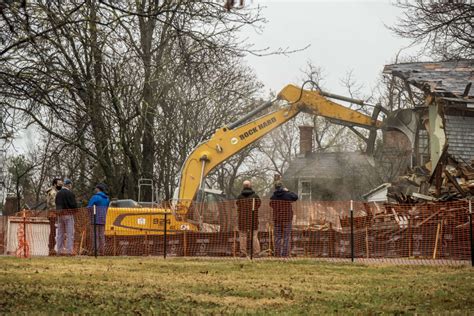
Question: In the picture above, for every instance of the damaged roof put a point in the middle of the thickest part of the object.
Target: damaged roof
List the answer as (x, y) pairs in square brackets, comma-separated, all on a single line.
[(449, 78)]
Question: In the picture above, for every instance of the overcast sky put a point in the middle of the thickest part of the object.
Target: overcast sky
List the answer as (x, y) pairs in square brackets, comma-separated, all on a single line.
[(344, 35)]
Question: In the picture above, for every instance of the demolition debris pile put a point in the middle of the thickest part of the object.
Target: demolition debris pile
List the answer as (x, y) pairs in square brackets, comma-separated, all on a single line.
[(447, 118), (456, 182)]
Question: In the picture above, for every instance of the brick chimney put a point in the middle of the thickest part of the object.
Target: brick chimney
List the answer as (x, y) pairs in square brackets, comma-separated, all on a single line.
[(306, 140)]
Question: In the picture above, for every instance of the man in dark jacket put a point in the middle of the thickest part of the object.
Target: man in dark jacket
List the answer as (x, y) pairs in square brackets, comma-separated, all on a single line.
[(100, 202), (65, 207), (248, 203), (280, 202)]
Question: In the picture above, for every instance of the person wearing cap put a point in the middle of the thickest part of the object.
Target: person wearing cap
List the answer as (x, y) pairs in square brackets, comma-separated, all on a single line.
[(65, 207), (100, 201), (280, 202), (248, 203)]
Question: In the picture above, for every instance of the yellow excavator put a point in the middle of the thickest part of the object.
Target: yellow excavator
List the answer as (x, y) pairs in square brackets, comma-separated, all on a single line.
[(226, 142)]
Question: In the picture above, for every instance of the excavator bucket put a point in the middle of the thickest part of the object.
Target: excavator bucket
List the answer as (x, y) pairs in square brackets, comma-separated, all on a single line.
[(404, 121)]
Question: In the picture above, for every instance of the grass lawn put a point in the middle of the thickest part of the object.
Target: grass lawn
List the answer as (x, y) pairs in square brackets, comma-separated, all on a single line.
[(198, 286)]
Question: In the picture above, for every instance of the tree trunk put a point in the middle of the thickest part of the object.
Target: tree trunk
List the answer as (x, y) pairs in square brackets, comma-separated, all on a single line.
[(99, 129)]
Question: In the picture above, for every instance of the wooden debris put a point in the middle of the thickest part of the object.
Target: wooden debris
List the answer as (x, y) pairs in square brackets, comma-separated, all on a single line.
[(423, 196), (453, 180)]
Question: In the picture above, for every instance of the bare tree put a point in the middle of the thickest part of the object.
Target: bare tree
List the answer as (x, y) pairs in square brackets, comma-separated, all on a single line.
[(444, 28), (329, 135), (279, 148), (21, 170), (122, 87)]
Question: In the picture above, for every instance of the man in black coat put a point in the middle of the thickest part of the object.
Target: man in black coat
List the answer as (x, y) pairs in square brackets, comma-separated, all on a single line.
[(248, 203), (280, 202), (65, 206)]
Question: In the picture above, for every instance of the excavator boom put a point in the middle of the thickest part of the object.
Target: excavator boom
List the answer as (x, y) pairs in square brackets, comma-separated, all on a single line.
[(222, 145), (228, 141), (314, 103)]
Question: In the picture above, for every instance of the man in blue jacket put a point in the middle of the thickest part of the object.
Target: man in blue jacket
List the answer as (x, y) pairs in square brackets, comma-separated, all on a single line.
[(280, 202), (101, 202)]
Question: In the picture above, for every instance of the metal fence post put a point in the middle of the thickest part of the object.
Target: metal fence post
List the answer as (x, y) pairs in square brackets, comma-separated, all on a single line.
[(470, 233), (165, 237), (352, 231), (185, 244), (115, 243), (146, 244), (95, 231), (251, 229)]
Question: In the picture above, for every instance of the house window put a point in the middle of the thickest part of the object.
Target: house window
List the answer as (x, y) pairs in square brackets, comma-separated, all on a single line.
[(423, 147), (304, 190)]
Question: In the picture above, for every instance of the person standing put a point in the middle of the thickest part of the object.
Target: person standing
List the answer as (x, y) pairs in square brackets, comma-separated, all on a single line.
[(281, 203), (65, 206), (248, 203), (101, 202), (51, 206)]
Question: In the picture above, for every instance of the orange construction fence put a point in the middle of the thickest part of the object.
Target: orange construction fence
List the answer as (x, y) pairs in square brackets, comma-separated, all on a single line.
[(437, 231)]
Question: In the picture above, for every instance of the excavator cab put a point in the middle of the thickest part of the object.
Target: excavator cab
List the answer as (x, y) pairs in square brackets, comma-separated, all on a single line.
[(205, 210)]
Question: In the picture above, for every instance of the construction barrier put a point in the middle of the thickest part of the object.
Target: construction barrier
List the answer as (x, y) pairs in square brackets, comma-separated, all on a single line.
[(435, 232)]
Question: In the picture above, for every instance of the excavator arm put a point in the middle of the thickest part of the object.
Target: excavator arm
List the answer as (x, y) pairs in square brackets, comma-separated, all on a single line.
[(313, 102), (222, 145), (229, 140)]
